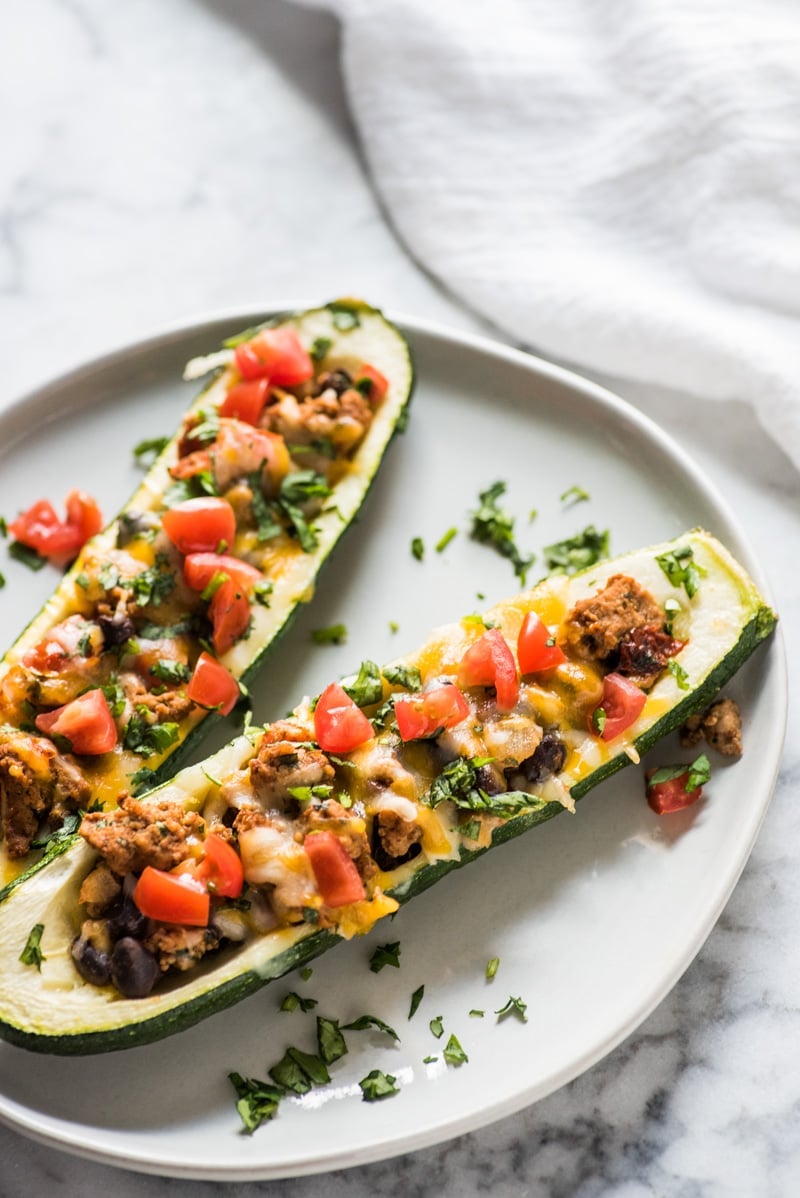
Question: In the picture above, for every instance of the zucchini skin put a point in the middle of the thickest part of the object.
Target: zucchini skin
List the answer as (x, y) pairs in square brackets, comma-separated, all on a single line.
[(394, 343), (758, 627)]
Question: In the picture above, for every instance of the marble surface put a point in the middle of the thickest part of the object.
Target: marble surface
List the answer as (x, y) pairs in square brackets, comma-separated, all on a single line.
[(160, 162)]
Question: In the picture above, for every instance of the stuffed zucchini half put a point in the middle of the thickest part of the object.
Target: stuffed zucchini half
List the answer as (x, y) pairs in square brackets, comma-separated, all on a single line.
[(178, 600), (309, 830)]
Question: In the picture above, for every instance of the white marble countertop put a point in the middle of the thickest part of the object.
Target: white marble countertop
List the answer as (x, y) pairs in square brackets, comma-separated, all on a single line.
[(160, 162)]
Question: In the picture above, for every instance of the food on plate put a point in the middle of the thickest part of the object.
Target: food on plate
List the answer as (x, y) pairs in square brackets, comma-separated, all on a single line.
[(310, 830), (177, 601)]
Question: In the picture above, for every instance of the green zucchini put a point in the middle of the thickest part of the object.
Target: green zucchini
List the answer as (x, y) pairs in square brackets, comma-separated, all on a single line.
[(341, 336), (50, 1009)]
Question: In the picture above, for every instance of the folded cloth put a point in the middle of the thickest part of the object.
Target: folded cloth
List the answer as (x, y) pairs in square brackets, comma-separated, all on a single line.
[(614, 183)]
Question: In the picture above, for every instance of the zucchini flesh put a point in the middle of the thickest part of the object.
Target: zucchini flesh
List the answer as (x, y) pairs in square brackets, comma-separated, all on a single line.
[(55, 1011), (346, 335)]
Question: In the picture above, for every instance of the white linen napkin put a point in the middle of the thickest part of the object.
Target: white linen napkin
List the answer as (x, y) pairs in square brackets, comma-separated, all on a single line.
[(611, 182)]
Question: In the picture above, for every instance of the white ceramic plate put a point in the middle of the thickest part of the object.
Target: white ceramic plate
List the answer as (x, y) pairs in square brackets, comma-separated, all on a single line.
[(594, 916)]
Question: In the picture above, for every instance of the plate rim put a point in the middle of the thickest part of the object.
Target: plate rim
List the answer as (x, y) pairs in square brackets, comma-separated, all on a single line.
[(17, 1116)]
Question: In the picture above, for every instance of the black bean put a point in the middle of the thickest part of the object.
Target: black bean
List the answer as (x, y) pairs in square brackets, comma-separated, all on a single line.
[(489, 779), (548, 759), (127, 921), (339, 380), (133, 969), (116, 630), (91, 963)]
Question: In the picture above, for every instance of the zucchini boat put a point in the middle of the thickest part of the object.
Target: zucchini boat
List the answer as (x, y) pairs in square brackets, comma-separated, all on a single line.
[(303, 833), (179, 599)]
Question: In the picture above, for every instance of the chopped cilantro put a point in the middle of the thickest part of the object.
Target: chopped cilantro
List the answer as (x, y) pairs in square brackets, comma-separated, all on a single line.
[(679, 674), (304, 794), (477, 1014), (514, 1006), (27, 556), (418, 548), (493, 525), (330, 1040), (2, 581), (671, 609), (298, 1071), (445, 539), (3, 527), (476, 618), (154, 584), (170, 671), (67, 830), (293, 1000), (32, 952), (345, 316), (256, 1100), (334, 634), (437, 1027), (262, 591), (429, 1060), (681, 569), (577, 553), (416, 999), (385, 954), (377, 1085), (320, 347), (306, 972), (575, 495), (471, 830), (267, 525), (406, 676), (697, 774), (147, 451), (394, 626), (217, 579), (365, 1022), (147, 739), (115, 698), (364, 385), (453, 1052), (599, 720), (367, 687), (457, 783), (144, 778), (492, 966)]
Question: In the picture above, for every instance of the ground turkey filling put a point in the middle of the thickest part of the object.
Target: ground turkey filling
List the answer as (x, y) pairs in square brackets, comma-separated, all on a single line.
[(367, 799)]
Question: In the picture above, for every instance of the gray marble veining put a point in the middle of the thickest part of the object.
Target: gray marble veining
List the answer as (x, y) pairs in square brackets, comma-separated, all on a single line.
[(163, 161)]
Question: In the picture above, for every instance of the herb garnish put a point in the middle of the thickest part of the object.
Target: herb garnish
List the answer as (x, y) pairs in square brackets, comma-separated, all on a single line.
[(671, 609), (457, 782), (418, 548), (492, 965), (599, 720), (385, 954), (304, 794), (320, 347), (170, 671), (575, 495), (146, 739), (365, 1022), (445, 539), (514, 1006), (406, 676), (377, 1085), (679, 674), (493, 525), (2, 581), (437, 1027), (334, 634), (147, 451), (257, 1101), (416, 999), (29, 557), (306, 972), (115, 698), (330, 1040), (453, 1052), (577, 553), (681, 569), (366, 688), (32, 953), (698, 773), (298, 1071), (476, 1014), (345, 316), (293, 1000), (429, 1060), (154, 584)]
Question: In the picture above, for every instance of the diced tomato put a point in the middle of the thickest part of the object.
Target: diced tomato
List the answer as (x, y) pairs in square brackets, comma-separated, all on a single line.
[(335, 871), (200, 525), (490, 662), (276, 354), (339, 722), (73, 638), (211, 685), (622, 703), (219, 870), (200, 568), (246, 401), (534, 652), (423, 715), (672, 795), (229, 612), (40, 527), (86, 722), (172, 897), (380, 383)]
